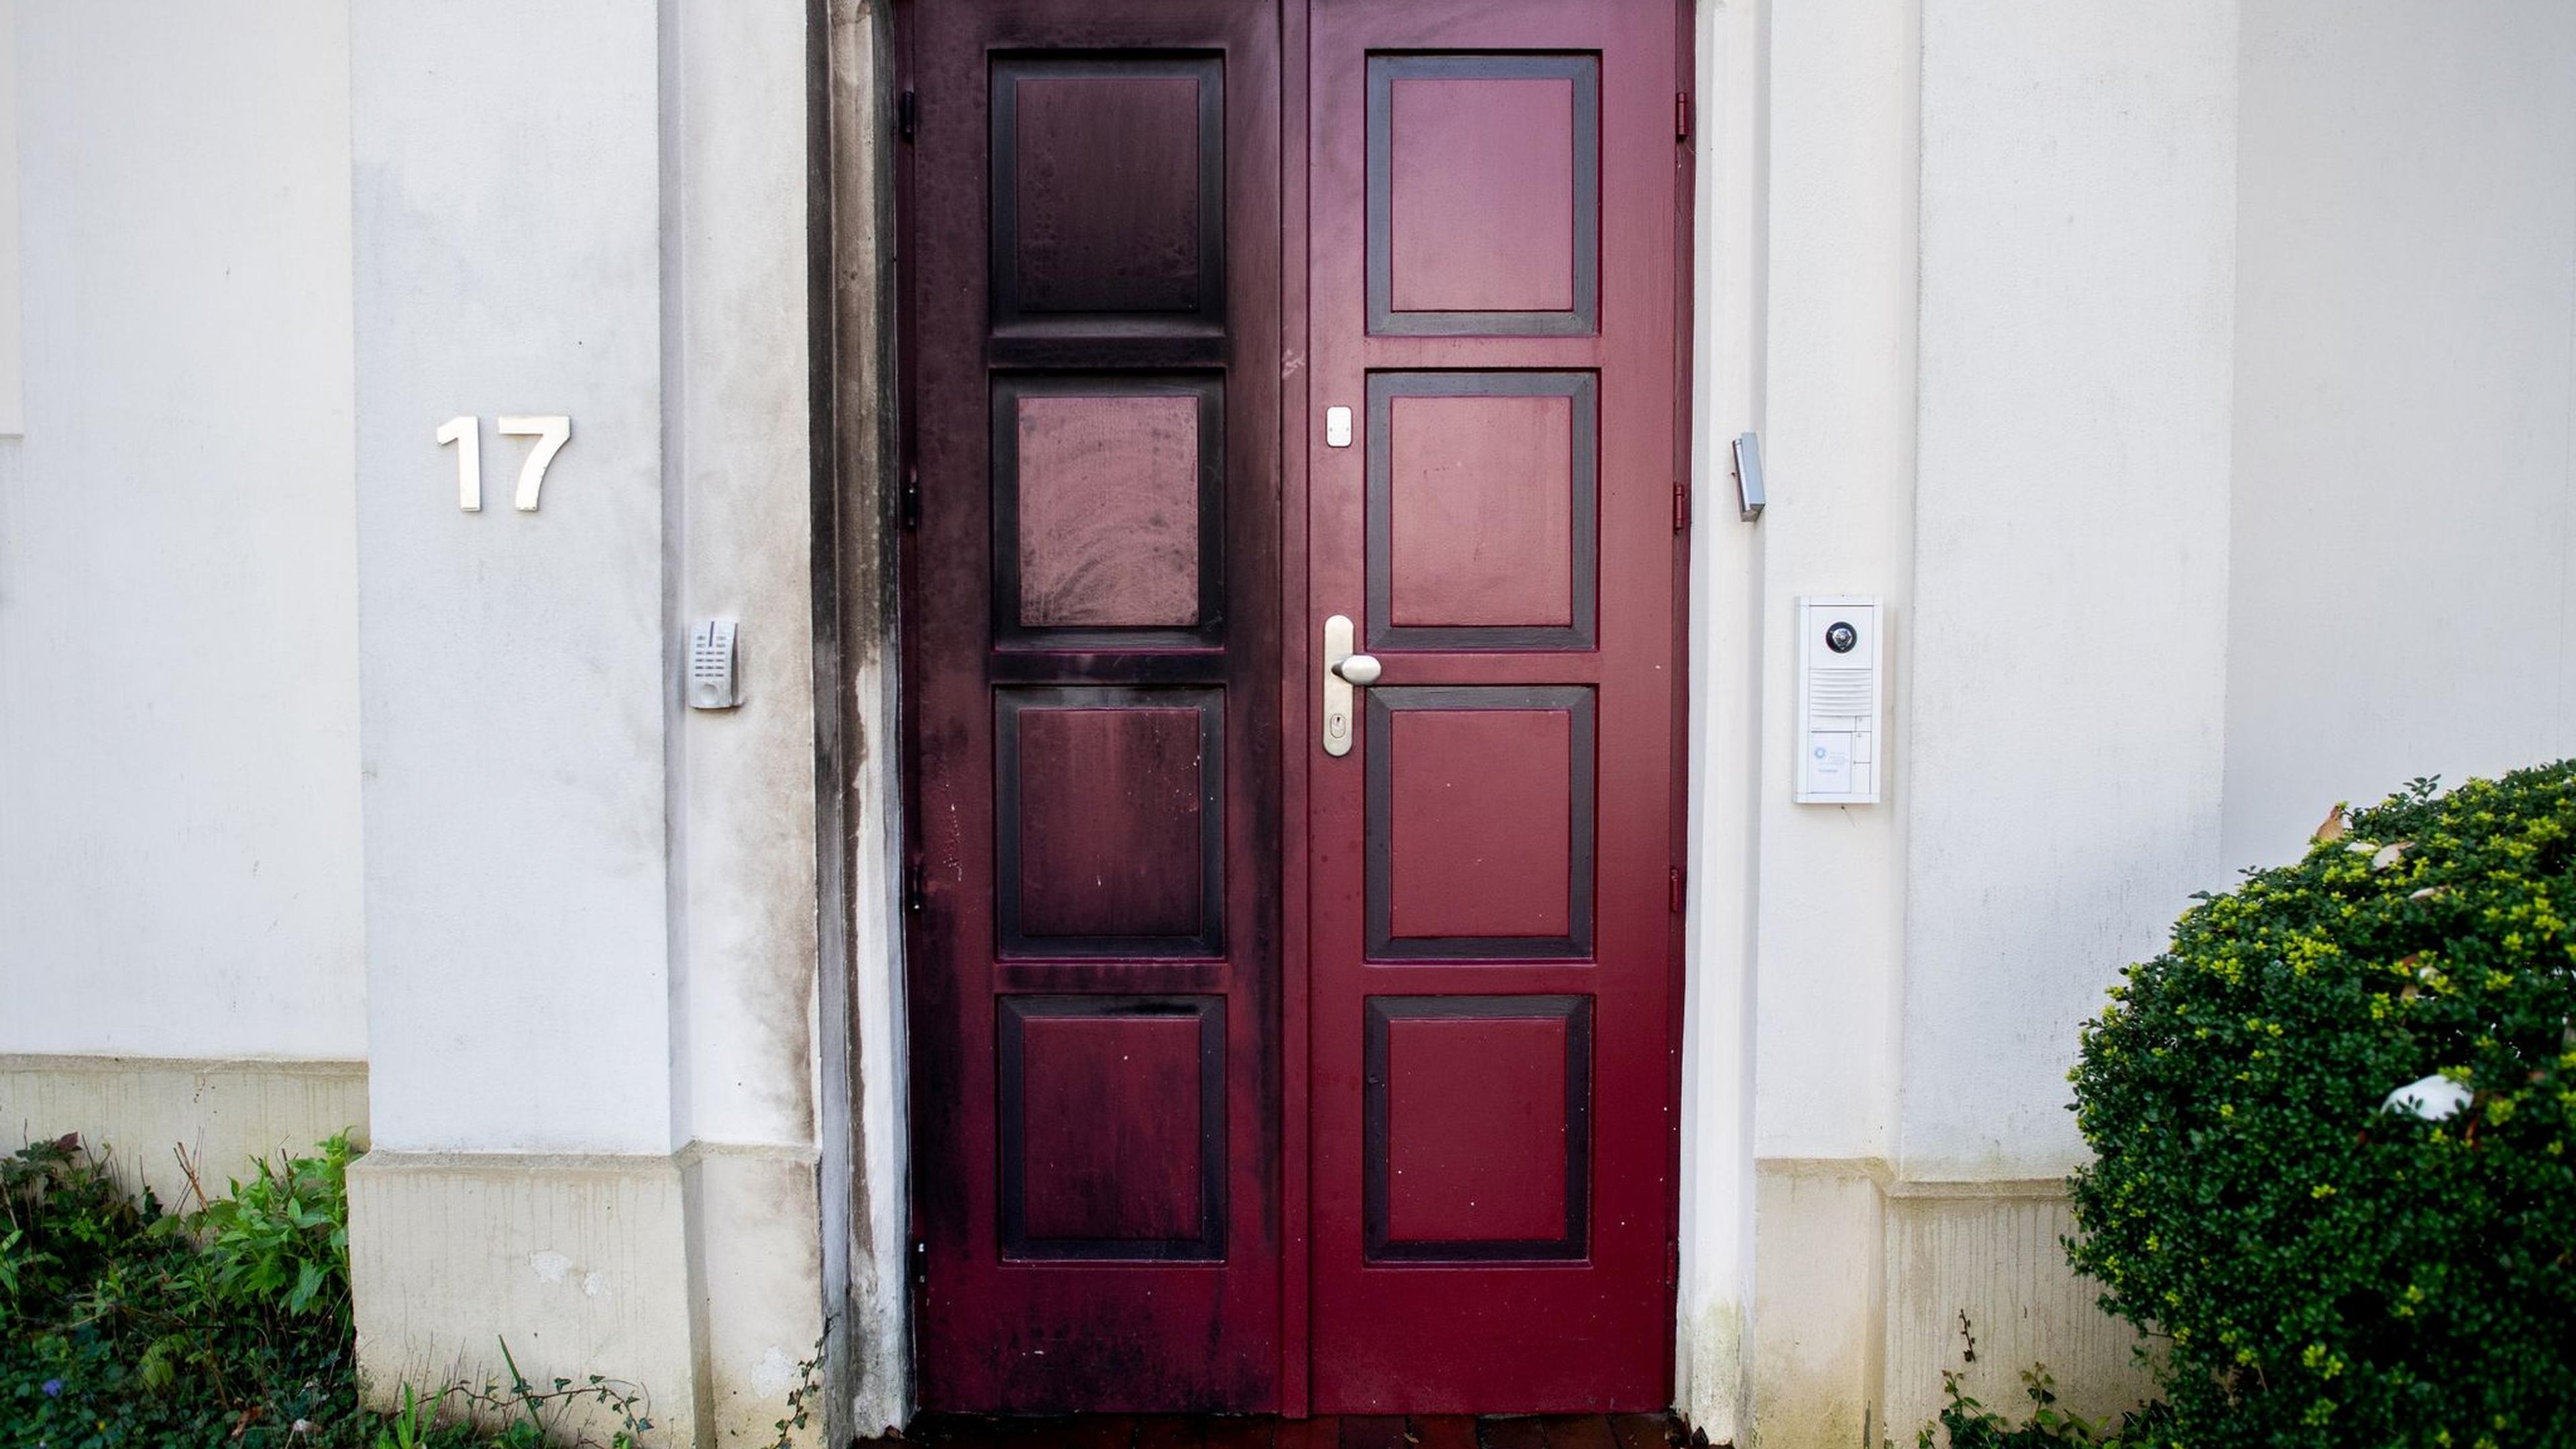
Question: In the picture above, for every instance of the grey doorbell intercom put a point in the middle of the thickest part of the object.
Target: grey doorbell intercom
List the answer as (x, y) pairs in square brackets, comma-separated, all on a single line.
[(1842, 750), (713, 680)]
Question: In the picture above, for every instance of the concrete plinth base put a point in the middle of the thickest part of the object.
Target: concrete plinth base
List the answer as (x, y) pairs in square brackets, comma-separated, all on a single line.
[(1860, 1283), (695, 1277), (144, 1111)]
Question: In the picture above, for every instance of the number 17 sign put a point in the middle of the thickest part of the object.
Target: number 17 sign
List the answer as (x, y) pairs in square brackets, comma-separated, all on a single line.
[(466, 432)]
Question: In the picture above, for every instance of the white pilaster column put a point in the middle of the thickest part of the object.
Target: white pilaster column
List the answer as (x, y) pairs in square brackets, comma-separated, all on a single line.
[(591, 911)]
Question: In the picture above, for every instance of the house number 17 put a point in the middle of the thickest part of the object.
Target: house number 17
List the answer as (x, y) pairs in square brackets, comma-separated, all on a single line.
[(551, 434)]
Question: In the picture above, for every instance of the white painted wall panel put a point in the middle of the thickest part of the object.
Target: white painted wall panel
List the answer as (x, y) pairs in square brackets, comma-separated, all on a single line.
[(1836, 408), (1725, 623), (509, 238), (13, 417), (737, 423), (179, 808), (2066, 673), (2405, 510)]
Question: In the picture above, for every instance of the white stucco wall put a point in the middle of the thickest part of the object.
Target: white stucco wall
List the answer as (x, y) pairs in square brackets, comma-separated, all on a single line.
[(13, 396), (592, 912), (1725, 624), (735, 417), (508, 210), (2405, 505), (1836, 411), (571, 926), (179, 812), (571, 874), (1969, 269), (2066, 684)]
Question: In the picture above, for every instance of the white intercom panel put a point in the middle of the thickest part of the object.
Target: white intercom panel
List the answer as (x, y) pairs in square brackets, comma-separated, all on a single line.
[(1842, 750), (714, 679)]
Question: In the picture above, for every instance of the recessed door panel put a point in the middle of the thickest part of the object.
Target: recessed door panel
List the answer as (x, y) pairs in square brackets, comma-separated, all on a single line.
[(1110, 822), (1108, 197), (1483, 509), (1113, 1128), (1479, 1128), (1480, 821), (1109, 510), (1484, 179)]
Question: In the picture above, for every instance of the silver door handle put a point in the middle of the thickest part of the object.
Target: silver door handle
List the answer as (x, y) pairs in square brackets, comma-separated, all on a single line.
[(1343, 670)]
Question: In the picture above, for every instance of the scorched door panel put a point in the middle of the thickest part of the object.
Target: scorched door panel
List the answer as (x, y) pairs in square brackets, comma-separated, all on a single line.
[(1092, 357), (1491, 994)]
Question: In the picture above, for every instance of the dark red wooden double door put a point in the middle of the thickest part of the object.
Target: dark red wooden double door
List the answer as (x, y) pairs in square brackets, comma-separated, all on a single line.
[(1259, 1062)]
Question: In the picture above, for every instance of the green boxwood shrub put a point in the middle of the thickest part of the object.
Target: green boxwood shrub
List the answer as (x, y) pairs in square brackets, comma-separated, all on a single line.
[(2324, 1269)]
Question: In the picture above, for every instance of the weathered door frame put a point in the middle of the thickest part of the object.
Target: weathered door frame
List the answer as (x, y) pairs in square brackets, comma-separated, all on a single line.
[(861, 1071), (857, 497)]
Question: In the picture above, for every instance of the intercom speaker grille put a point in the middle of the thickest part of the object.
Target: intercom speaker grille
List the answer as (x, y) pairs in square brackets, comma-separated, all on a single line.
[(1839, 691)]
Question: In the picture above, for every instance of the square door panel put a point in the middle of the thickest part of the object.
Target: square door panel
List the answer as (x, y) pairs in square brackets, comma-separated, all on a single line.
[(1483, 510), (1108, 199), (1484, 194), (1480, 822), (1108, 807), (1108, 511), (1112, 1126), (1478, 1128)]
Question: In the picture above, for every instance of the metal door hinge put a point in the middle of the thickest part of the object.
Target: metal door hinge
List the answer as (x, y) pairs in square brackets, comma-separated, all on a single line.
[(907, 114), (1675, 894), (1681, 505), (1681, 116), (908, 507), (916, 887), (1672, 1263)]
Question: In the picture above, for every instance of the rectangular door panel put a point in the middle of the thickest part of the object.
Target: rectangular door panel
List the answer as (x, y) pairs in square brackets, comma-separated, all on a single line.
[(1113, 1127), (1484, 182), (1108, 510), (1109, 822), (1480, 822), (1479, 1128), (1108, 197), (1483, 510)]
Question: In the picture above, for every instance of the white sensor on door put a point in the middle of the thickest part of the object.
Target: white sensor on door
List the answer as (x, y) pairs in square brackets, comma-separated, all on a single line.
[(1841, 677)]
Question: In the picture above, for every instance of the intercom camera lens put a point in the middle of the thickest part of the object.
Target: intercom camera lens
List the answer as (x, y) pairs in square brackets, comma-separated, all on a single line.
[(1840, 637)]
